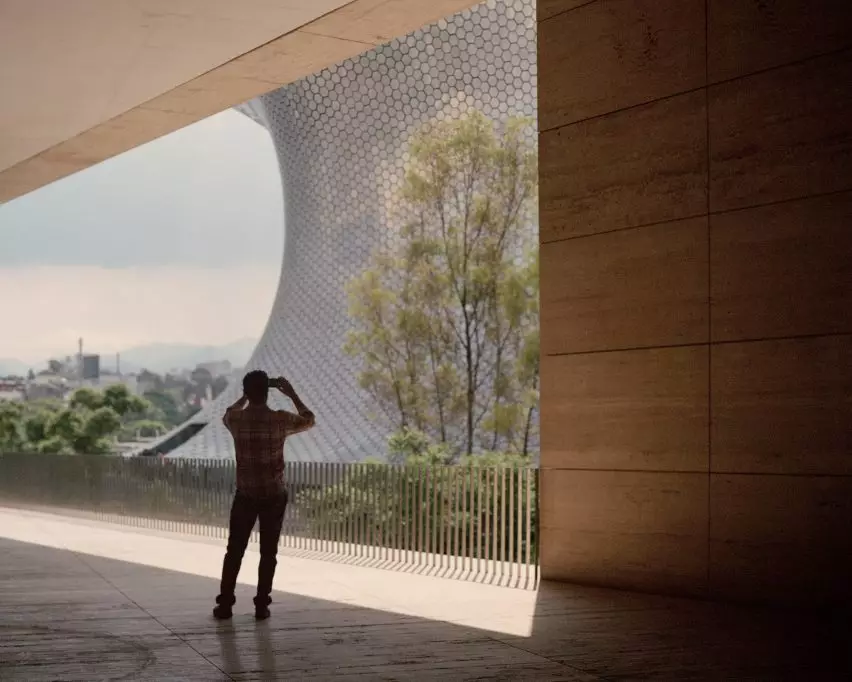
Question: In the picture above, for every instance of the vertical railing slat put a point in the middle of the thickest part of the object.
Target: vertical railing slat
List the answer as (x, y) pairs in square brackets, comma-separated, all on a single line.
[(527, 519), (456, 524), (313, 507), (471, 520), (462, 521), (502, 521), (486, 487), (323, 499), (479, 524), (400, 506), (511, 522), (370, 516)]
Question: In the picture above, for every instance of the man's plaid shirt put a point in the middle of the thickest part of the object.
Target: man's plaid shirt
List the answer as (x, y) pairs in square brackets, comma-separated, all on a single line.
[(259, 434)]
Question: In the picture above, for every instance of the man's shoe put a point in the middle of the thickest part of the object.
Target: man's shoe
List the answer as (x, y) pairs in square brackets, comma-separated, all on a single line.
[(261, 607), (224, 610)]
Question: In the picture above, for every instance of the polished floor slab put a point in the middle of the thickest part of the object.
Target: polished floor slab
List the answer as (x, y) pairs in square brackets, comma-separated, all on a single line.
[(83, 600)]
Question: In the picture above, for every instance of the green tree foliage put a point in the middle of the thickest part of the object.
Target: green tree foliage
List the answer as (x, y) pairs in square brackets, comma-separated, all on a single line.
[(67, 425), (79, 430), (119, 398), (386, 504), (35, 425), (446, 324), (167, 409), (88, 423), (87, 398), (53, 445), (410, 446), (12, 438)]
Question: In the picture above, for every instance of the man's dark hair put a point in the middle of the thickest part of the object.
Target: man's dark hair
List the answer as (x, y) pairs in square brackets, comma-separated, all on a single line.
[(256, 386)]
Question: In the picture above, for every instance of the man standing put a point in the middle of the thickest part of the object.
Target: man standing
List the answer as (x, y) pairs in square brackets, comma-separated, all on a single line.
[(259, 433)]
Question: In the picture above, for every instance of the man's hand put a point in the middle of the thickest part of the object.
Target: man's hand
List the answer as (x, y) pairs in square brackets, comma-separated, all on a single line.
[(287, 389), (284, 386)]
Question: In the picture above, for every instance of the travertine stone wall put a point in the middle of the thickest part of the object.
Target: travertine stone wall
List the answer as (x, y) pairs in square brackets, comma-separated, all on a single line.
[(696, 236)]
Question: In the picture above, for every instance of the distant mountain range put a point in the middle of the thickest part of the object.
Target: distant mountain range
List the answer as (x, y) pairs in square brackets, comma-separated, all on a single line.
[(162, 357), (157, 357), (10, 366)]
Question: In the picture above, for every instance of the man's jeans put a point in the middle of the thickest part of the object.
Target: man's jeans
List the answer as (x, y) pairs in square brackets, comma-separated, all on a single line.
[(245, 510)]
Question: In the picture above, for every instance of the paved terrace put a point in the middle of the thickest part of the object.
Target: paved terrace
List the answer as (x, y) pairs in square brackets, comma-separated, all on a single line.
[(84, 600)]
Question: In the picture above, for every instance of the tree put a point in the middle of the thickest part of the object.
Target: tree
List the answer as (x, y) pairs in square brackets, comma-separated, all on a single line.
[(202, 377), (11, 437), (122, 401), (53, 446), (167, 405), (75, 430), (102, 423), (150, 378), (35, 426), (410, 446), (446, 322), (219, 385), (87, 424), (196, 391), (87, 398), (66, 425)]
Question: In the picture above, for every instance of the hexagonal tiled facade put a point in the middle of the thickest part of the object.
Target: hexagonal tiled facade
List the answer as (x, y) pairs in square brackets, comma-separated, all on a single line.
[(341, 138)]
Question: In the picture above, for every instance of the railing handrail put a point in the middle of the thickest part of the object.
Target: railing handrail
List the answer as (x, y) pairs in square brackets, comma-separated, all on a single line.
[(473, 520)]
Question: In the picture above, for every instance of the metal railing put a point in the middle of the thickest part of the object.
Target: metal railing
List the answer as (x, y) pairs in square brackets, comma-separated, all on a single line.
[(474, 523)]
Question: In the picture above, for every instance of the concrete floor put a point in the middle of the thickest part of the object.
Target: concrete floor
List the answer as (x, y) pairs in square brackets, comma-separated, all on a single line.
[(82, 600)]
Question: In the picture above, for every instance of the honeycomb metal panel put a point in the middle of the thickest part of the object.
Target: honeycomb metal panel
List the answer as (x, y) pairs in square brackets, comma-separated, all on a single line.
[(341, 137)]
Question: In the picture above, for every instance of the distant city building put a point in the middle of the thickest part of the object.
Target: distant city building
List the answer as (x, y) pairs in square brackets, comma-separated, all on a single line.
[(46, 385), (91, 366), (12, 388), (147, 381), (176, 376)]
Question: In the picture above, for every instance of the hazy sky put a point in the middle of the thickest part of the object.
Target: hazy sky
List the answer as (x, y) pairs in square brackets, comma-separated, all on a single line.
[(177, 241)]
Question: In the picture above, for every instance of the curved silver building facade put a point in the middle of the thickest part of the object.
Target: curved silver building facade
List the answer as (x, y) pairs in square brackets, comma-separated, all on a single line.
[(341, 138)]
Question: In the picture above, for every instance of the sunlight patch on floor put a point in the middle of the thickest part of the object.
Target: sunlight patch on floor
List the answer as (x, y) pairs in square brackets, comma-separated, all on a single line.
[(494, 609)]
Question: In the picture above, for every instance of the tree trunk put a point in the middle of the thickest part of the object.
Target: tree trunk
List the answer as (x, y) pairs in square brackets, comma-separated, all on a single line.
[(471, 392)]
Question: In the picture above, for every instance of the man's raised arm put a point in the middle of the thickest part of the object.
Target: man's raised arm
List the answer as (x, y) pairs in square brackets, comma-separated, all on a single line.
[(236, 407), (305, 419)]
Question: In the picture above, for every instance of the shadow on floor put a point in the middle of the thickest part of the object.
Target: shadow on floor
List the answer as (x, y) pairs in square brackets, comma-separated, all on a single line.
[(71, 616), (618, 635)]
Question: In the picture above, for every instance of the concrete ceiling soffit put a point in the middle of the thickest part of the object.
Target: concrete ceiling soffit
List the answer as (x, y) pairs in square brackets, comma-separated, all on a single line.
[(343, 33)]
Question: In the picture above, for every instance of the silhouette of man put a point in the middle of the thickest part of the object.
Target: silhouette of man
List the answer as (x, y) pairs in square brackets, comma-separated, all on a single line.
[(259, 433)]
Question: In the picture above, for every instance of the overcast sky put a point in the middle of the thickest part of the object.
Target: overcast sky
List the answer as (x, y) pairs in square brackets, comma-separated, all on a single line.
[(177, 241)]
